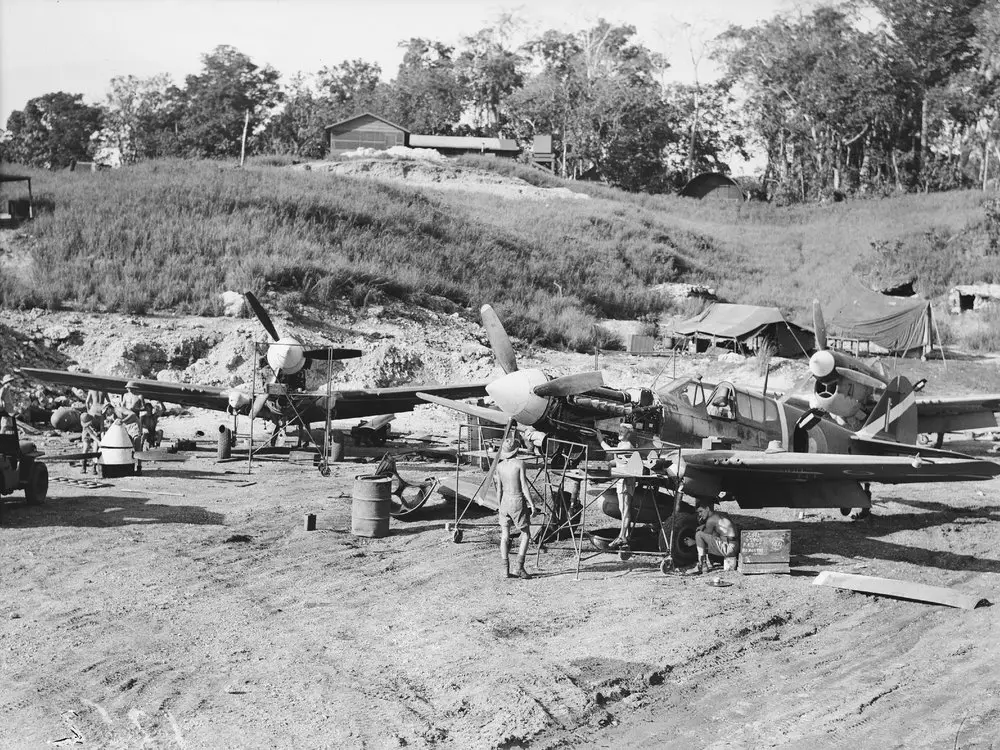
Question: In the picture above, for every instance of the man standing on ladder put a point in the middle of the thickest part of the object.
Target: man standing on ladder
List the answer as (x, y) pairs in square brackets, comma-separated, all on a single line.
[(514, 501)]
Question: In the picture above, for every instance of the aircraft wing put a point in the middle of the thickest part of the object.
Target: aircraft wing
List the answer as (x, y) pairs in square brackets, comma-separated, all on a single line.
[(754, 466), (185, 394), (370, 401), (816, 480), (955, 413)]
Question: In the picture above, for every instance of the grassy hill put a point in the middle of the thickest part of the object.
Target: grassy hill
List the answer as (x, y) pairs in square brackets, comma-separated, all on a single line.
[(172, 235)]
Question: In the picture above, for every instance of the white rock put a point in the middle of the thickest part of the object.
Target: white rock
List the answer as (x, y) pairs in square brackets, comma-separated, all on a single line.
[(232, 303)]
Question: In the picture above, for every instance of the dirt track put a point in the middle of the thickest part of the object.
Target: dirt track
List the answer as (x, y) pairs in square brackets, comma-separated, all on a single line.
[(130, 618)]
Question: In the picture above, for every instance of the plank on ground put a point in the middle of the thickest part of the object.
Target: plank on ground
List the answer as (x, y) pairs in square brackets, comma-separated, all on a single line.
[(920, 592)]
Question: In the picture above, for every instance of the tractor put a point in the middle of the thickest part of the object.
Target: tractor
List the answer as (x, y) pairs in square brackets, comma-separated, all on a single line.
[(20, 468)]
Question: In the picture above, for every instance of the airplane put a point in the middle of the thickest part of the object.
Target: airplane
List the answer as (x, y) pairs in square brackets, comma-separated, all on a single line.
[(847, 388), (802, 460), (284, 400)]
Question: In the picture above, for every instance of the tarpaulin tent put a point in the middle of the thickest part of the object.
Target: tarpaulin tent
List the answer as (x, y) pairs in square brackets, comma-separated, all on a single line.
[(747, 327), (898, 324)]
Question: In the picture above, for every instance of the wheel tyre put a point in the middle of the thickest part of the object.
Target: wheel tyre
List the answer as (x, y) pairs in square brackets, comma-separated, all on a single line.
[(684, 551), (666, 567), (38, 484), (845, 511), (457, 536), (624, 555)]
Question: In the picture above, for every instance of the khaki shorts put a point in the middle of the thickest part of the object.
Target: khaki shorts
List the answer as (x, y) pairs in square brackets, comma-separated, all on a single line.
[(517, 516)]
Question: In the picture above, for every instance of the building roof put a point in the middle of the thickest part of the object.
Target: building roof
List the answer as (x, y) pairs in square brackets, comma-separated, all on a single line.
[(701, 185), (464, 142), (363, 115)]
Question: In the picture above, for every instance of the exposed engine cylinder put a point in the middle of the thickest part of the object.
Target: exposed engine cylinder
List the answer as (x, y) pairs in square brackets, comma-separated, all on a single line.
[(599, 404)]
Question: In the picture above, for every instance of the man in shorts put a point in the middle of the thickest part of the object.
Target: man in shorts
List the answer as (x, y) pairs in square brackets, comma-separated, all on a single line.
[(716, 535), (515, 505)]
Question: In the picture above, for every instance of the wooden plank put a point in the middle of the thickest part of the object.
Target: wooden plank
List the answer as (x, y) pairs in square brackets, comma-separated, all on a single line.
[(750, 568), (465, 490), (920, 592)]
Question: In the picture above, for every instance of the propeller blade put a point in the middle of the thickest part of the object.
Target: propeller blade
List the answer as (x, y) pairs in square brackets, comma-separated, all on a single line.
[(503, 350), (490, 415), (261, 313), (258, 405), (801, 386), (860, 378), (570, 385), (819, 325), (333, 352)]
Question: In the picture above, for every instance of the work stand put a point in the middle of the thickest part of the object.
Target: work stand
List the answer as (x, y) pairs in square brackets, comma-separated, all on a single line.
[(561, 480)]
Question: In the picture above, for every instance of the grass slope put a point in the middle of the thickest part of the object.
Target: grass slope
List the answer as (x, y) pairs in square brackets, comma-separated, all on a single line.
[(172, 235)]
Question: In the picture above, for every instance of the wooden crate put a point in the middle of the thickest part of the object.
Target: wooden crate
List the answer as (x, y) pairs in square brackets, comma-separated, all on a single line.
[(765, 551)]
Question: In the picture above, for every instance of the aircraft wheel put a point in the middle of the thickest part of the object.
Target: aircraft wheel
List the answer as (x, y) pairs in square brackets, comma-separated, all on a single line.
[(624, 555), (38, 484), (684, 550), (845, 511), (457, 536), (324, 469)]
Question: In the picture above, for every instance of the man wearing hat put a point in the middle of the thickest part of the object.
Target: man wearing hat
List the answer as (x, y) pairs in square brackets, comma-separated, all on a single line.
[(514, 500), (626, 485), (91, 427), (7, 395)]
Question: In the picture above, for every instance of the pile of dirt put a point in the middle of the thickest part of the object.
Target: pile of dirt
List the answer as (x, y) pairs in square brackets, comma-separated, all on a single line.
[(438, 175)]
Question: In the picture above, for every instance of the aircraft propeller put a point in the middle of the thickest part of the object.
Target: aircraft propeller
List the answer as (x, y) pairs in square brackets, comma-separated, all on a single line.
[(286, 355)]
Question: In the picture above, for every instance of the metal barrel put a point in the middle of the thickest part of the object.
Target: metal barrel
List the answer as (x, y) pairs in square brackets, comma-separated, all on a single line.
[(336, 446), (370, 504), (225, 447)]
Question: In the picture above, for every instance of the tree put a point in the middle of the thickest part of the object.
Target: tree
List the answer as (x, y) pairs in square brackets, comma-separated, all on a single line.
[(141, 117), (52, 130), (427, 95), (932, 39), (217, 102), (492, 72)]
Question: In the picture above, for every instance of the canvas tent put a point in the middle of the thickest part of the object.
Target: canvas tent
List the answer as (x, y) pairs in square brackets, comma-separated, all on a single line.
[(746, 327), (897, 324)]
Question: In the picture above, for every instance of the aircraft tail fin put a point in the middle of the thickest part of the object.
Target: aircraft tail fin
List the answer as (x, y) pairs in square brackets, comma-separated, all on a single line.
[(895, 415)]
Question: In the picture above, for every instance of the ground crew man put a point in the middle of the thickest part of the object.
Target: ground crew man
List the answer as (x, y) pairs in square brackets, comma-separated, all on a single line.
[(514, 499), (717, 535), (91, 429)]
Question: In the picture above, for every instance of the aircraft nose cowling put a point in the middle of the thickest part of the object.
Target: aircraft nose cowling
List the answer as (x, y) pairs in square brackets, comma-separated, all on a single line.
[(822, 364), (237, 400), (514, 395), (286, 356)]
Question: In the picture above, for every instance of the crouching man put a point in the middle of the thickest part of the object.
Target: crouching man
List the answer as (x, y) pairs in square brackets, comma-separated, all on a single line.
[(716, 535)]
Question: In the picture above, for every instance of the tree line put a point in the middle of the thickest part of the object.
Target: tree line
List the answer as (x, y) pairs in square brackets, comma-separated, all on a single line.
[(859, 98)]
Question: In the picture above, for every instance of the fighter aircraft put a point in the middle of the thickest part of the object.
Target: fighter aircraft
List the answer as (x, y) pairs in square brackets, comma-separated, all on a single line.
[(284, 400), (847, 388), (809, 461)]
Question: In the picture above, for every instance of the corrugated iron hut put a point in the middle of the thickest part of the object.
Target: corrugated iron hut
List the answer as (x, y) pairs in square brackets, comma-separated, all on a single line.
[(714, 186)]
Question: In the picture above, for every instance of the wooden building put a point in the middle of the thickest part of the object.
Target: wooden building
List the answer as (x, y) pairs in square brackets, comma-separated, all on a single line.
[(371, 131)]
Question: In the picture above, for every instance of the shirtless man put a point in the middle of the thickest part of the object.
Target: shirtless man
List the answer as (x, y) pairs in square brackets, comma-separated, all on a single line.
[(716, 535), (514, 499), (626, 487)]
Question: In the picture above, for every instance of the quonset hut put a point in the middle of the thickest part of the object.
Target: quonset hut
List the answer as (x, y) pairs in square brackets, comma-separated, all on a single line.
[(713, 186)]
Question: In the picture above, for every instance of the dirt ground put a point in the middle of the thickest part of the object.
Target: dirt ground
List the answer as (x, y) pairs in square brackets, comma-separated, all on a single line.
[(188, 607)]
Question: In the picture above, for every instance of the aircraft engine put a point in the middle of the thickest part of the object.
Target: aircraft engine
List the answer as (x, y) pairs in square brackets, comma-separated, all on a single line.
[(286, 356), (610, 408), (514, 394), (237, 400)]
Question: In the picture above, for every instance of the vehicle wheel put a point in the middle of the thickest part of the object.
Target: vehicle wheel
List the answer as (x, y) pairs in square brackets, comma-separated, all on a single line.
[(38, 484), (624, 555), (666, 566), (324, 469), (684, 550), (845, 511), (456, 536)]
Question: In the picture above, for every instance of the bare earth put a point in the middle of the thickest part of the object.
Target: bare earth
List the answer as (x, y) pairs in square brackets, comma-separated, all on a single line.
[(189, 608)]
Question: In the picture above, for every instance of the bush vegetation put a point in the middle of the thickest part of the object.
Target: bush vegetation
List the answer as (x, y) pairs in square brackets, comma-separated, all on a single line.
[(172, 235)]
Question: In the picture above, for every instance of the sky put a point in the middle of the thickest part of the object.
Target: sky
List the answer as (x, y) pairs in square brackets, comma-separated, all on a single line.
[(78, 46)]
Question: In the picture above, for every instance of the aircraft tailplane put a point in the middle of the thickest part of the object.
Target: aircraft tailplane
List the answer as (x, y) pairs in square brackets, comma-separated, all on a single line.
[(895, 415)]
